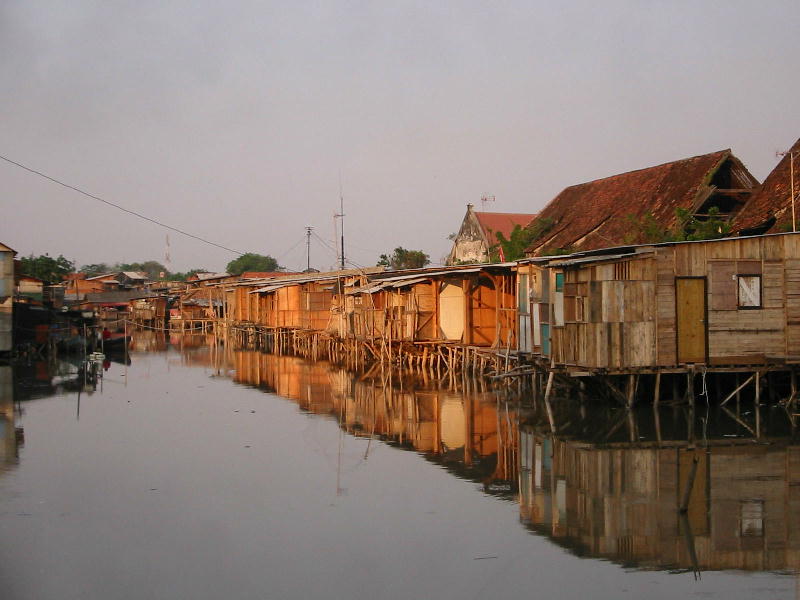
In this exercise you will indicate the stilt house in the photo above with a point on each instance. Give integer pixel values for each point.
(719, 303)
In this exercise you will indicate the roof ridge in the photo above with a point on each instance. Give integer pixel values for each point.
(668, 163)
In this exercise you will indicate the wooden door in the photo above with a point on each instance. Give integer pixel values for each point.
(523, 311)
(690, 305)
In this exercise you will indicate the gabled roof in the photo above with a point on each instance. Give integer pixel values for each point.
(598, 213)
(493, 223)
(772, 198)
(4, 248)
(135, 275)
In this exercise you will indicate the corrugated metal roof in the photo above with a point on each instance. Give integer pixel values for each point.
(593, 259)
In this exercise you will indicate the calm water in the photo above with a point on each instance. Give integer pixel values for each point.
(198, 473)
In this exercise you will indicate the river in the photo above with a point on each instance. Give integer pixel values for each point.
(200, 472)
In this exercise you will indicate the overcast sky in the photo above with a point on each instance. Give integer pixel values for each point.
(233, 120)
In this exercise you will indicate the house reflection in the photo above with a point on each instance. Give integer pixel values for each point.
(467, 431)
(607, 484)
(620, 500)
(11, 437)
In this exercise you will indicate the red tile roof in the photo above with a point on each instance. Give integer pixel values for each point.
(596, 214)
(773, 198)
(493, 223)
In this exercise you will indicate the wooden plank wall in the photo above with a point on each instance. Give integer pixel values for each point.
(609, 315)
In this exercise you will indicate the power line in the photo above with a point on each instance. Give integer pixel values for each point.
(131, 212)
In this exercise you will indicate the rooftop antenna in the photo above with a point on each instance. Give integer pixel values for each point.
(486, 198)
(308, 247)
(340, 216)
(791, 182)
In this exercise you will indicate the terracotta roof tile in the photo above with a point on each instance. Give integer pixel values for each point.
(596, 214)
(772, 198)
(493, 223)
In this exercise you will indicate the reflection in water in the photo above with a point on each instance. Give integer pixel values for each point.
(600, 481)
(603, 486)
(11, 437)
(620, 500)
(458, 427)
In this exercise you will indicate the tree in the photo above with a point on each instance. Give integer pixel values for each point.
(94, 269)
(186, 275)
(153, 268)
(647, 230)
(520, 238)
(252, 262)
(404, 259)
(46, 268)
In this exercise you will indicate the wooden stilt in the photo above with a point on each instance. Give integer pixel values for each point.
(657, 391)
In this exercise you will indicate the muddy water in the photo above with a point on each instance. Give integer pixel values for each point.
(194, 472)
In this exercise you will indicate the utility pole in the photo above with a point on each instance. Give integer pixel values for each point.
(340, 216)
(308, 247)
(791, 183)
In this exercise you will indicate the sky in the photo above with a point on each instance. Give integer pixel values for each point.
(243, 122)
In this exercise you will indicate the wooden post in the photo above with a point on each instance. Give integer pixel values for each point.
(687, 492)
(657, 391)
(549, 409)
(631, 390)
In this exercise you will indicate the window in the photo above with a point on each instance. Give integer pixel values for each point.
(751, 515)
(559, 282)
(749, 291)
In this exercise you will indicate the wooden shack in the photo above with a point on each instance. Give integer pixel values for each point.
(723, 303)
(150, 312)
(473, 306)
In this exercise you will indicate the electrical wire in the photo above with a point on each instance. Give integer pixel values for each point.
(302, 239)
(117, 206)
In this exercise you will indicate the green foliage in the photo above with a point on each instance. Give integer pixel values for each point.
(153, 268)
(184, 276)
(252, 262)
(47, 268)
(404, 259)
(647, 230)
(94, 269)
(558, 251)
(711, 227)
(521, 237)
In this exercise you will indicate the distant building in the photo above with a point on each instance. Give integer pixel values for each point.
(478, 235)
(6, 297)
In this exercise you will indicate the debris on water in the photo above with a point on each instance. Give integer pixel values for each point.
(483, 557)
(252, 411)
(153, 489)
(247, 446)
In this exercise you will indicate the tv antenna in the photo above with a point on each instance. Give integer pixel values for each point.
(485, 199)
(791, 154)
